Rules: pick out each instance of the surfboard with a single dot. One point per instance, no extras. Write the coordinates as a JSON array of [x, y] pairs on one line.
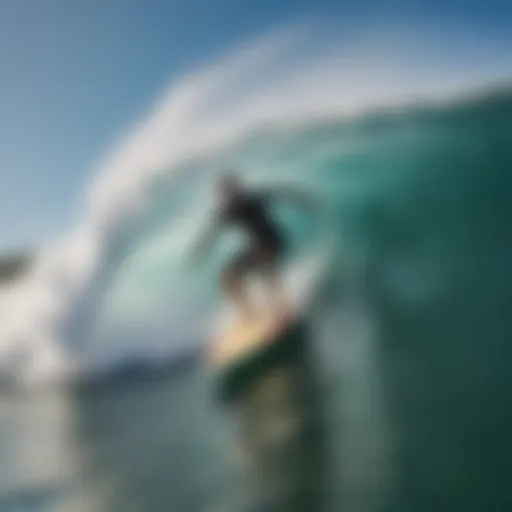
[[241, 351], [246, 353], [235, 339], [241, 339]]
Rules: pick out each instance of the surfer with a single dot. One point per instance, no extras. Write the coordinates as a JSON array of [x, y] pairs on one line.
[[249, 210]]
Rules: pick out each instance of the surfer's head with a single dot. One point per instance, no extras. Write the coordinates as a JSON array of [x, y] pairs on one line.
[[229, 186]]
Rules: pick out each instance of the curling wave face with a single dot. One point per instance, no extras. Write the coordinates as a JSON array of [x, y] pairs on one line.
[[118, 284]]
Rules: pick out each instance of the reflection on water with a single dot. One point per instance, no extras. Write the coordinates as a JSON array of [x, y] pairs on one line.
[[311, 431], [40, 458], [159, 443], [275, 406], [361, 435], [146, 446]]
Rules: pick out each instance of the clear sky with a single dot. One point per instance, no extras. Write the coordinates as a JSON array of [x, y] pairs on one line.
[[74, 74]]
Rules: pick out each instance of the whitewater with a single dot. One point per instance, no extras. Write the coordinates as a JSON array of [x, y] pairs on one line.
[[277, 109]]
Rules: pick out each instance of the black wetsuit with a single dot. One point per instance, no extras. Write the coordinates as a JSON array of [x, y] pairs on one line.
[[252, 214]]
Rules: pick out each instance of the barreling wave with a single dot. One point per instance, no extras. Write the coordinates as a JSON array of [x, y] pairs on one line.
[[277, 109]]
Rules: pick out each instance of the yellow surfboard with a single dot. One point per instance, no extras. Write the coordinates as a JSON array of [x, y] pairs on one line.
[[240, 340]]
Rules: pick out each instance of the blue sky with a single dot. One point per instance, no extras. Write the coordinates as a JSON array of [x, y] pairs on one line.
[[75, 74]]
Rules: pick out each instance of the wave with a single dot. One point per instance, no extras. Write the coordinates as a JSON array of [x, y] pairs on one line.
[[279, 108]]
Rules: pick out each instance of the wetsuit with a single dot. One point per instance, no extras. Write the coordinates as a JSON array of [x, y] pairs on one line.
[[251, 213]]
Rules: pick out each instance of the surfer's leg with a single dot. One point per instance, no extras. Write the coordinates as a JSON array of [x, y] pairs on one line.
[[269, 267], [233, 284], [277, 293]]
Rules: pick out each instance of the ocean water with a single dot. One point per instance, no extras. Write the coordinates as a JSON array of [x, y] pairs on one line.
[[410, 333]]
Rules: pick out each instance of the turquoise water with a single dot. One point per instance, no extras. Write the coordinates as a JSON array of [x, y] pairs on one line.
[[412, 333]]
